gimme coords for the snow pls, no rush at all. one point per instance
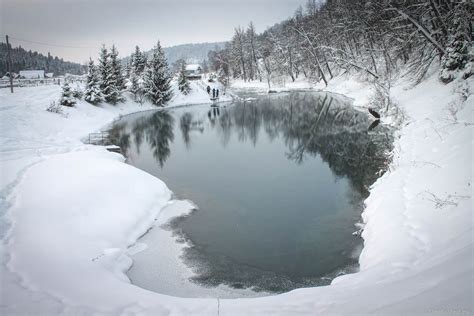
(69, 213)
(193, 67)
(198, 94)
(280, 86)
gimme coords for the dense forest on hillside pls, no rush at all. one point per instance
(28, 60)
(191, 53)
(380, 40)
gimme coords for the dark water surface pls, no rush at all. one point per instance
(279, 183)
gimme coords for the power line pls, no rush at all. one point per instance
(51, 45)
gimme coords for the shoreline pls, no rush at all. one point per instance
(368, 260)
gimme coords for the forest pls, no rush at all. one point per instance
(380, 40)
(28, 60)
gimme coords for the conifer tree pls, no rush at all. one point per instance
(116, 69)
(157, 78)
(128, 68)
(138, 61)
(136, 87)
(111, 80)
(93, 94)
(183, 82)
(66, 97)
(103, 69)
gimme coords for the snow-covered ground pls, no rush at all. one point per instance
(197, 94)
(262, 86)
(70, 211)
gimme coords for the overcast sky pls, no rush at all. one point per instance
(89, 23)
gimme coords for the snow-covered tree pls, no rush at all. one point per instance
(66, 96)
(111, 79)
(457, 50)
(183, 82)
(128, 68)
(138, 61)
(157, 78)
(136, 88)
(93, 94)
(103, 69)
(116, 69)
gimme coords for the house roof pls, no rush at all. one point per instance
(31, 74)
(193, 67)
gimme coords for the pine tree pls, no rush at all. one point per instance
(66, 97)
(116, 69)
(157, 78)
(112, 94)
(111, 79)
(136, 87)
(93, 94)
(183, 82)
(138, 61)
(128, 68)
(103, 70)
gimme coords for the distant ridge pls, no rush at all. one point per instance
(192, 52)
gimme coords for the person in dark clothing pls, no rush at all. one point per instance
(208, 89)
(217, 93)
(213, 93)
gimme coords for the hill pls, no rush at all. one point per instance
(192, 53)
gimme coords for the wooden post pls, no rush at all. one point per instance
(9, 63)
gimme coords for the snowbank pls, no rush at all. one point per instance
(262, 86)
(71, 210)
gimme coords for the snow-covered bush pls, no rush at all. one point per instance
(381, 102)
(67, 98)
(77, 93)
(55, 108)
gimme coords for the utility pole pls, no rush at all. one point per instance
(9, 65)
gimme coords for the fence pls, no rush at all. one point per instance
(100, 138)
(5, 83)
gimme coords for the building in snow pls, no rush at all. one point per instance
(193, 71)
(32, 74)
(49, 75)
(7, 76)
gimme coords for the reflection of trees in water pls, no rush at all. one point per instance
(185, 125)
(310, 124)
(188, 124)
(159, 134)
(156, 130)
(119, 138)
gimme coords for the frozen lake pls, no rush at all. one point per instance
(278, 182)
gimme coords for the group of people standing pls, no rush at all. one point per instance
(215, 92)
